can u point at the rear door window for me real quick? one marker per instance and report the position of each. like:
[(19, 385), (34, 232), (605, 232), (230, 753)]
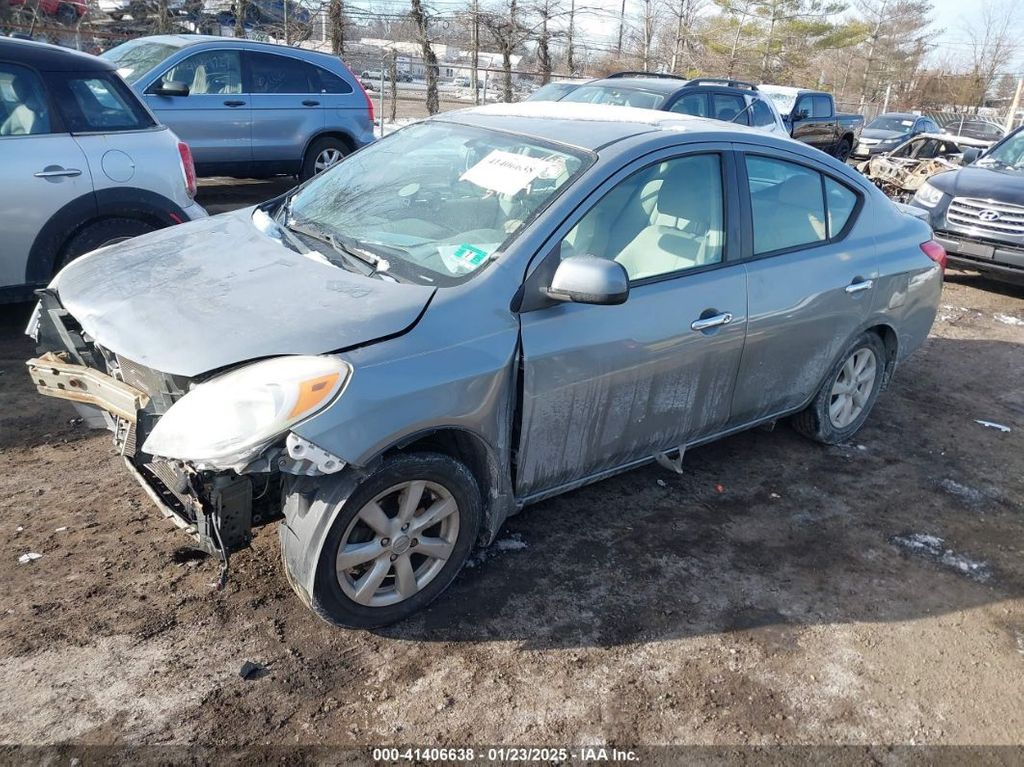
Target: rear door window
[(97, 102), (24, 109), (281, 74), (793, 206)]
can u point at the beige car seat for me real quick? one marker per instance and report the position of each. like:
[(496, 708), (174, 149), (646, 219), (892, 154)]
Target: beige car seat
[(686, 225)]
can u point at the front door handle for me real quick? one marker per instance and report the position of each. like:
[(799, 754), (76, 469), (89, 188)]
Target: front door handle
[(234, 103), (706, 323), (310, 103), (857, 287), (55, 171)]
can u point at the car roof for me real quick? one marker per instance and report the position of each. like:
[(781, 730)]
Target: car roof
[(50, 58), (653, 84), (907, 115), (593, 126), (185, 41)]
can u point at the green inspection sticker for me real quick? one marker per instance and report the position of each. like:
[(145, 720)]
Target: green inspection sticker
[(470, 254)]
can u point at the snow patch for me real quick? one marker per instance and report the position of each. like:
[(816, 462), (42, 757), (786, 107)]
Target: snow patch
[(514, 542), (1007, 319), (963, 492), (933, 547)]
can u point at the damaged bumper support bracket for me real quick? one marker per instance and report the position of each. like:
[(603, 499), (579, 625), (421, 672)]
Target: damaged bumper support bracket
[(55, 377)]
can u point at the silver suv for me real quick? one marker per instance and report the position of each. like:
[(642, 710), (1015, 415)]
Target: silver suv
[(85, 164)]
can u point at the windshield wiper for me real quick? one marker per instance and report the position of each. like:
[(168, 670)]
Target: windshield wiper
[(341, 245)]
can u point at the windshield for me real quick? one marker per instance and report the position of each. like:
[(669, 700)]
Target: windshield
[(898, 124), (435, 200), (552, 91), (1008, 156), (621, 97), (133, 59), (782, 100)]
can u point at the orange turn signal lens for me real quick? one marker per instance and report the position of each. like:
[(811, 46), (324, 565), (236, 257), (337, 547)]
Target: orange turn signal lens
[(312, 392)]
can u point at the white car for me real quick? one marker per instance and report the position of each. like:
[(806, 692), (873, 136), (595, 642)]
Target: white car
[(85, 163)]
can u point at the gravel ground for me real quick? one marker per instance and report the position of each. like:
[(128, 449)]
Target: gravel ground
[(778, 592)]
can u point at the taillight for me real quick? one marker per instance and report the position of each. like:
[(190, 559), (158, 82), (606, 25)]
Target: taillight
[(369, 101), (935, 252), (188, 168)]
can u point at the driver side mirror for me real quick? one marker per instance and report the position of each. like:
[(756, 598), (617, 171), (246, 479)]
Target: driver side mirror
[(172, 88), (589, 280)]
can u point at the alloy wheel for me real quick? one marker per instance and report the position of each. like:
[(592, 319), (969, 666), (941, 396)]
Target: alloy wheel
[(852, 388), (397, 543), (326, 159)]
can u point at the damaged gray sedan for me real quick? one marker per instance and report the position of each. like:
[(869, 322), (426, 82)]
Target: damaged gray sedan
[(478, 312)]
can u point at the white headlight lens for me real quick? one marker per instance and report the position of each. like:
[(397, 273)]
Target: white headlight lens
[(927, 195), (228, 419)]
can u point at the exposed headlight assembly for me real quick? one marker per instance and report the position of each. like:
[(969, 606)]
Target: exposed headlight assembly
[(927, 195), (228, 420)]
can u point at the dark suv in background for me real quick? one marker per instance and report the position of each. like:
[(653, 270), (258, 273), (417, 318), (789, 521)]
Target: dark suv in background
[(726, 100), (977, 212)]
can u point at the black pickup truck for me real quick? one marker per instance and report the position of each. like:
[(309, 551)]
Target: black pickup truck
[(811, 117)]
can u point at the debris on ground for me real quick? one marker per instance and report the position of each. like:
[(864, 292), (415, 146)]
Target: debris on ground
[(993, 425), (1007, 319), (719, 488), (29, 557), (252, 670), (60, 530), (933, 547), (662, 483)]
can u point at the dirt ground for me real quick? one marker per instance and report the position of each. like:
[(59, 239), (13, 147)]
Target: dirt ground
[(777, 592)]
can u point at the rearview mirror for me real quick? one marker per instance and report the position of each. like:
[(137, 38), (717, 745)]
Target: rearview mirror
[(173, 88), (589, 280)]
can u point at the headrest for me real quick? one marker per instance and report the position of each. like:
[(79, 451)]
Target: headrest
[(802, 190), (684, 192)]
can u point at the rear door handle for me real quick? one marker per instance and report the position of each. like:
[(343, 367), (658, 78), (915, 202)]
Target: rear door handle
[(857, 287), (234, 103), (310, 103), (58, 172), (706, 323)]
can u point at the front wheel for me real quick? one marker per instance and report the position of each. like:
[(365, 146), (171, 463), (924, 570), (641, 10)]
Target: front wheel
[(99, 234), (843, 402), (399, 540)]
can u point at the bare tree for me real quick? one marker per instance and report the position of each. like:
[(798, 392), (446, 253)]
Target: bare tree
[(336, 14), (393, 85), (422, 23), (994, 36), (686, 13), (509, 33)]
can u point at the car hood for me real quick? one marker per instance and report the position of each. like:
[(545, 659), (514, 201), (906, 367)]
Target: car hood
[(215, 292), (984, 183), (881, 134)]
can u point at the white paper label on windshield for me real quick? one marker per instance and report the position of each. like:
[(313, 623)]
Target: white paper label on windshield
[(508, 173)]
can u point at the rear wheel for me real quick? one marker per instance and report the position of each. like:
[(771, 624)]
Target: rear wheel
[(398, 541), (844, 401), (843, 150), (109, 231), (322, 154)]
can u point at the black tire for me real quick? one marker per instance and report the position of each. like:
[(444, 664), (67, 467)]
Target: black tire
[(815, 422), (843, 150), (320, 145), (330, 600), (102, 233)]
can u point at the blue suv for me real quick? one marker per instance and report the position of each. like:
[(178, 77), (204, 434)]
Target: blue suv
[(249, 109)]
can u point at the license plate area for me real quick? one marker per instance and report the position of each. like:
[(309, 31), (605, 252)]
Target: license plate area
[(55, 377), (977, 249)]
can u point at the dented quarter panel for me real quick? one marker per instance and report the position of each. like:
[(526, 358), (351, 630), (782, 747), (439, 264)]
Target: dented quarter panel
[(215, 292)]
